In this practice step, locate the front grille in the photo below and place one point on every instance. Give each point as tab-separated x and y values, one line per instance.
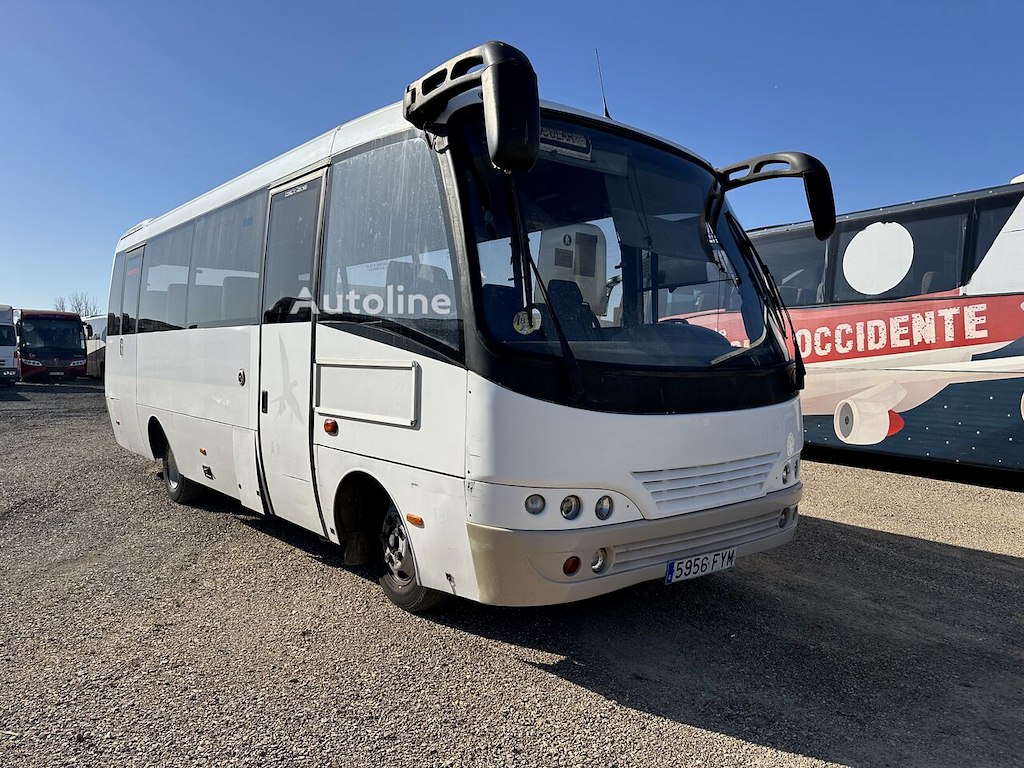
629	557
688	489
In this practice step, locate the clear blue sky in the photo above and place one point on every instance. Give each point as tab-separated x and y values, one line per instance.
114	112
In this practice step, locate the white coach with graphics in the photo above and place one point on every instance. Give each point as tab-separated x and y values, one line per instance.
442	336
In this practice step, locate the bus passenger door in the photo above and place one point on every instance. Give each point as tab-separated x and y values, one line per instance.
286	346
121	384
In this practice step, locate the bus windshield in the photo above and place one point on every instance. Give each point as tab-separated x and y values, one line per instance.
52	334
627	253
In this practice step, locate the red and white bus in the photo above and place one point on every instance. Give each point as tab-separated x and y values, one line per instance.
51	345
910	320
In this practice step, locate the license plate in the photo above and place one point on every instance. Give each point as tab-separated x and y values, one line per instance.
56	373
699	565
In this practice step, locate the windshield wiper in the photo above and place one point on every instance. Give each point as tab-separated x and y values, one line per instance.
774	300
521	252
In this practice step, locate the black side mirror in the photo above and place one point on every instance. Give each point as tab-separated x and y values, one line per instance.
781	165
511	101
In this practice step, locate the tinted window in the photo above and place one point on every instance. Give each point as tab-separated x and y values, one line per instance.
130	296
291	244
114	300
992	217
900	256
797	262
165	275
99	326
225	273
386	252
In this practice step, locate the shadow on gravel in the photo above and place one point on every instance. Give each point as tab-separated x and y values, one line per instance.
317	547
850	645
896	652
10	394
902	465
86	387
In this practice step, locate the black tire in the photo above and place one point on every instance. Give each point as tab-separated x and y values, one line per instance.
398	576
179	488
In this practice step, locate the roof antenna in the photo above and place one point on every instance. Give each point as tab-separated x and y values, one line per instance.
600	78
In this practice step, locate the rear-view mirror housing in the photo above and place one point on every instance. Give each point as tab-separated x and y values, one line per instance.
781	165
511	102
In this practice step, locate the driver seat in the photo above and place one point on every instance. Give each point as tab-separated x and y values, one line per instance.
573	313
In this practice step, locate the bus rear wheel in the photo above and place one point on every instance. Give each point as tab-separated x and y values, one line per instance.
179	488
398	568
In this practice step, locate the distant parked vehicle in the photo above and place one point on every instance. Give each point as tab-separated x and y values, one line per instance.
95	345
910	320
51	345
8	343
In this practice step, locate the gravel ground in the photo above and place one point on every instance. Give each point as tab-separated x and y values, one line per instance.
138	632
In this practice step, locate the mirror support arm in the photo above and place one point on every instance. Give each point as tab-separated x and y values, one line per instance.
782	165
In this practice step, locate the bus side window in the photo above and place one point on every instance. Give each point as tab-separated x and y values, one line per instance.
114	300
223	279
386	252
797	263
900	256
130	297
161	307
992	218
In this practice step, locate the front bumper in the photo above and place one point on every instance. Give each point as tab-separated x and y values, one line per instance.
51	373
525	567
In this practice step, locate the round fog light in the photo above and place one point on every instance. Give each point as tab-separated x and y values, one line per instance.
604	507
598	561
571	506
787	516
571	565
785	473
535	504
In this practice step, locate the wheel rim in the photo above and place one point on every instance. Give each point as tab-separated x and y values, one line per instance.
173	476
398	559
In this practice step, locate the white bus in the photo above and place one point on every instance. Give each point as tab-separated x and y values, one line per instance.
95	345
8	346
481	398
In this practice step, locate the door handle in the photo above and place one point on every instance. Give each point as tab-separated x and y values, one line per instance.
263	401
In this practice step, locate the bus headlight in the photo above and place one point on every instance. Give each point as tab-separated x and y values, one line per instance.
535	504
571	506
603	508
598	561
32	362
77	362
786	470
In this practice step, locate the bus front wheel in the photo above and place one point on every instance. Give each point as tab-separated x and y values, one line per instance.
180	489
398	568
